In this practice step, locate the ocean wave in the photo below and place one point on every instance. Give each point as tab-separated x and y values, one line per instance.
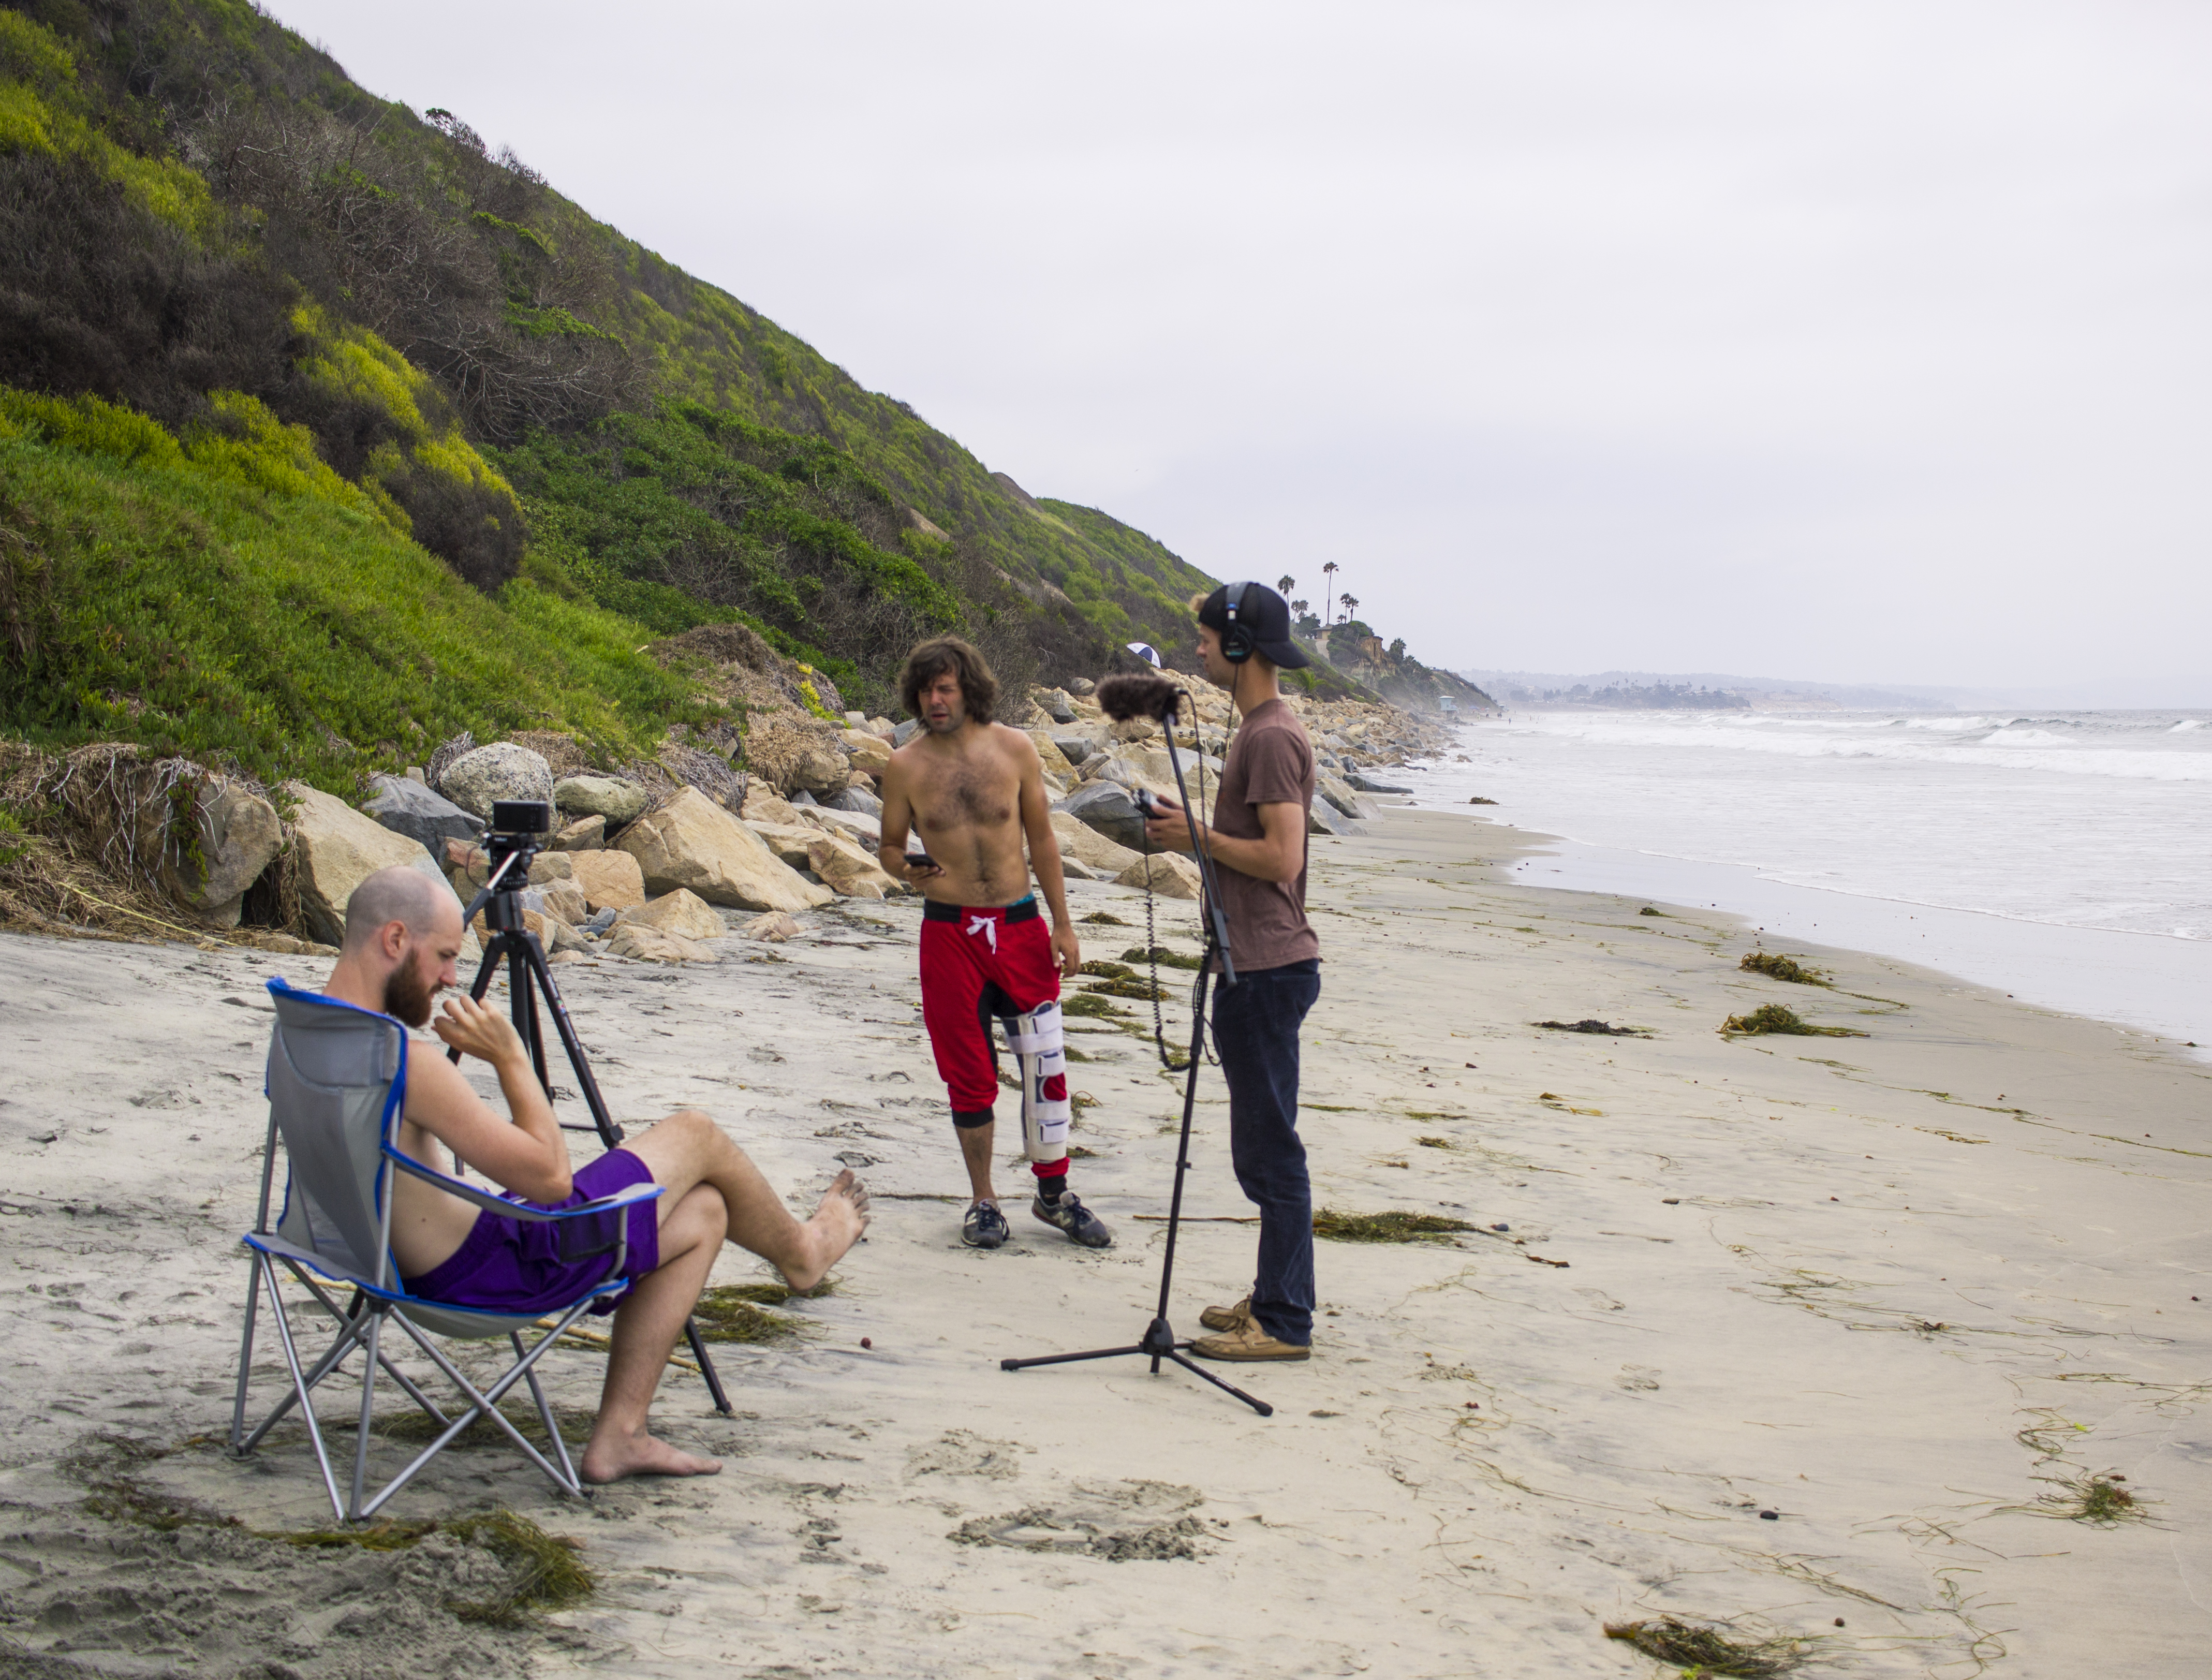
2006	748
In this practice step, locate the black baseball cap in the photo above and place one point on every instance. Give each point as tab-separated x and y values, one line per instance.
1262	612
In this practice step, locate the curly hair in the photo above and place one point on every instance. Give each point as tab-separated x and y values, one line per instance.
979	689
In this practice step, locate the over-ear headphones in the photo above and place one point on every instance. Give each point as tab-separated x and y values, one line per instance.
1237	642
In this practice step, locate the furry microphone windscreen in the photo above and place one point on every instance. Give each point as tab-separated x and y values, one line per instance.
1136	696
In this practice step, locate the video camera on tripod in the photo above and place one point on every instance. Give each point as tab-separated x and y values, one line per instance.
516	836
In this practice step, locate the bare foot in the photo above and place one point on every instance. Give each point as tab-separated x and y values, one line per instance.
611	1457
837	1224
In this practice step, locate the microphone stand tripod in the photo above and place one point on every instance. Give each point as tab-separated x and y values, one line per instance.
527	975
1159	1341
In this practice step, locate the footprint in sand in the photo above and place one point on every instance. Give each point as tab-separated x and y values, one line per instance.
963	1452
1638	1377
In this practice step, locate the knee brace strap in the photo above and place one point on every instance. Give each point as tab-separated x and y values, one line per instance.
1039	1047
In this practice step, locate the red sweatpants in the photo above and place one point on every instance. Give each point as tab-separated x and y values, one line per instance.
978	963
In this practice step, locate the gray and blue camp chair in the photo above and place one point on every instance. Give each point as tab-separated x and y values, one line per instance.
336	1082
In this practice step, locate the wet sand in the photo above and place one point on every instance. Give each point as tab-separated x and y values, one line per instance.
1908	1292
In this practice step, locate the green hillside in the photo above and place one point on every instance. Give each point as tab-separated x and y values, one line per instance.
388	343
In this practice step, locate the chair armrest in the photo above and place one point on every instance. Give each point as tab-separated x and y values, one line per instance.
629	1195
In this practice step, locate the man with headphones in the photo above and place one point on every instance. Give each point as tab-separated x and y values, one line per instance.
1257	839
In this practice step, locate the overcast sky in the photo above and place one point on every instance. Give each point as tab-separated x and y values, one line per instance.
1856	341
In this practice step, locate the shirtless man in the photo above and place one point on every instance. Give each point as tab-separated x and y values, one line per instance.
402	934
972	789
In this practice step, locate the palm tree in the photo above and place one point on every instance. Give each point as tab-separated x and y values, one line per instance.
1284	584
1300	608
1328	571
1350	604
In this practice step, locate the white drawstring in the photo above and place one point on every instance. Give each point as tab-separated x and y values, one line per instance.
985	924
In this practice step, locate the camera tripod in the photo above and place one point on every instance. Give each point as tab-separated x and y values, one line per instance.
528	975
1159	1341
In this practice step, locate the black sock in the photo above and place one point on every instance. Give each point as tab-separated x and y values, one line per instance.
1048	1189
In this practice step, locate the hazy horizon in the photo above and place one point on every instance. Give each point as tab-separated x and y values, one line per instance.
1863	339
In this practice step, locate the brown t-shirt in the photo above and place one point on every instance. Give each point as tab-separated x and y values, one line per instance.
1271	762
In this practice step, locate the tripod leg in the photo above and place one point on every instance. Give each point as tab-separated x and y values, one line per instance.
531	966
1197	1370
706	1366
1069	1359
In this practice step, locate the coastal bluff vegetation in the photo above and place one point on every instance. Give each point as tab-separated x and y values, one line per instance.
330	436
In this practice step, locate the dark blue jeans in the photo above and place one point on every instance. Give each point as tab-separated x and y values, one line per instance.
1255	1033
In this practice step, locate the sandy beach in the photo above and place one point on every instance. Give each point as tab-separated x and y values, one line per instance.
1822	1337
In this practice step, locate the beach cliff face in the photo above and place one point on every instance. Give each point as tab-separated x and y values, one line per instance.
1885	1344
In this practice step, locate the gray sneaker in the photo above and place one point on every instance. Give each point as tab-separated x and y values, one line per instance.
985	1226
1068	1214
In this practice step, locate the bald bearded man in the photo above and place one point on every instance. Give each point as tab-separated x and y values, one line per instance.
403	935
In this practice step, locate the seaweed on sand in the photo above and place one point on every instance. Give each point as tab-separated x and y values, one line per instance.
1776	1018
1104	919
1775	966
1160	954
1597	1027
1707	1650
1391	1228
1100	969
2099	1500
545	1572
733	1312
1088	1003
1144	990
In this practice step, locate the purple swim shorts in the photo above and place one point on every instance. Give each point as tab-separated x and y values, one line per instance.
518	1265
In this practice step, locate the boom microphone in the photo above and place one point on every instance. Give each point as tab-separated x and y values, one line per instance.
1138	695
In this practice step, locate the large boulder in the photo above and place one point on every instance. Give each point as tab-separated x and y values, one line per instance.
1080	843
847	871
553	933
608	797
775	928
560	899
678	912
585	834
650	945
1325	819
1106	808
871	753
1054	761
1338	793
339	849
239	835
789	841
1361	782
608	880
409	808
1072	747
856	802
502	770
691	841
863	831
905	732
1168	874
764	805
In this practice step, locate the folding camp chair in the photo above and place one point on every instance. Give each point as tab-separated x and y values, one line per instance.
336	1084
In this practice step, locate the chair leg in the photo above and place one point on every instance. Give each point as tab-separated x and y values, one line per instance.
545	1411
246	1352
486	1405
367	1412
407	1386
300	1389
